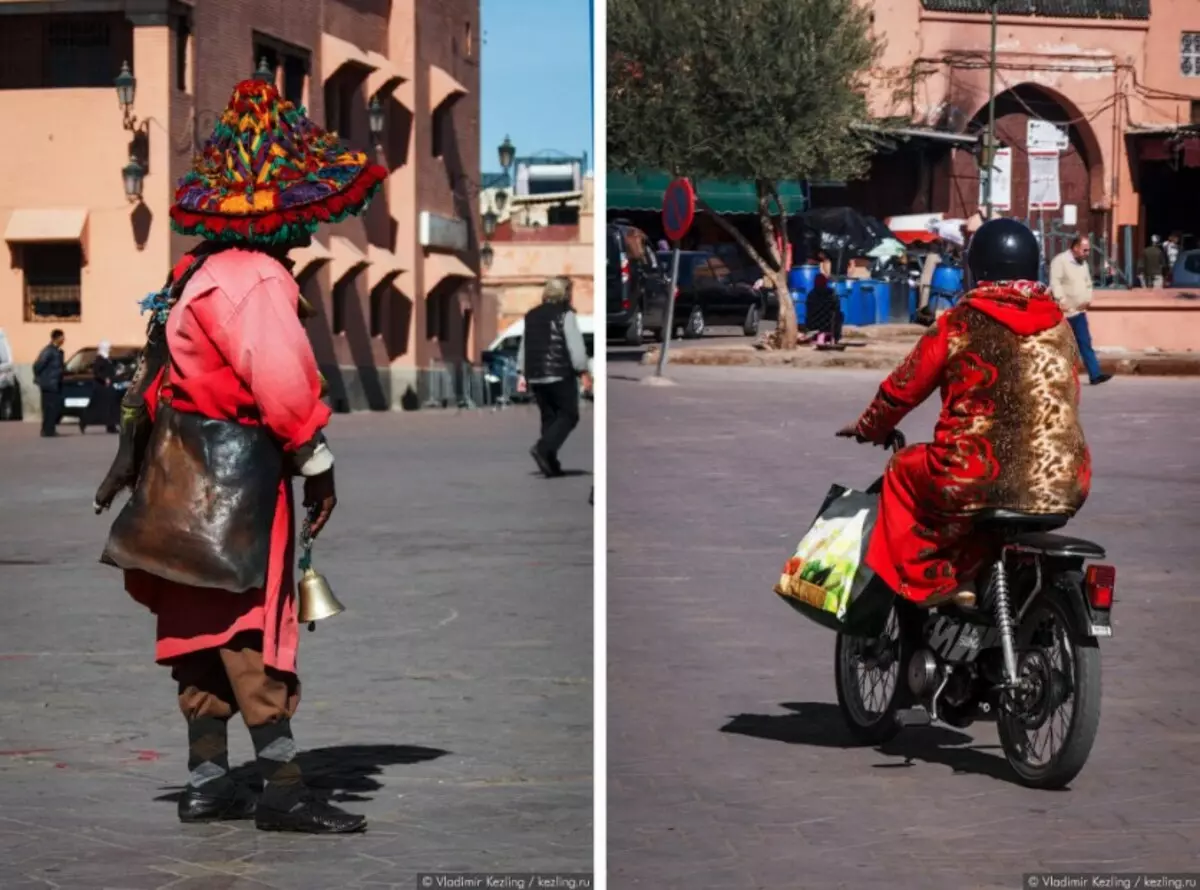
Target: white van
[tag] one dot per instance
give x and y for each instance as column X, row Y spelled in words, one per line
column 509, row 344
column 509, row 341
column 10, row 392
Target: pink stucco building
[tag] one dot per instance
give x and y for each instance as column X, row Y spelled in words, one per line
column 398, row 290
column 1110, row 81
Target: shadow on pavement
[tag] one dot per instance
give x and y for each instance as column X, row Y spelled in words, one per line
column 820, row 725
column 340, row 773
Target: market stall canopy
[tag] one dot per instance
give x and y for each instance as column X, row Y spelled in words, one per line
column 644, row 191
column 915, row 228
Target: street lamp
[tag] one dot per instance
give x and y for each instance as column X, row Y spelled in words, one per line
column 126, row 85
column 507, row 152
column 134, row 176
column 489, row 224
column 375, row 119
column 264, row 72
column 486, row 255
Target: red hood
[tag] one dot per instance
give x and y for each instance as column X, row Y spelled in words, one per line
column 1024, row 307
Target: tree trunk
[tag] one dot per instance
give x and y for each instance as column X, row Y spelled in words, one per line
column 772, row 272
column 777, row 240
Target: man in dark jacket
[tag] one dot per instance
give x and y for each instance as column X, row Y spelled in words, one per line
column 552, row 355
column 48, row 374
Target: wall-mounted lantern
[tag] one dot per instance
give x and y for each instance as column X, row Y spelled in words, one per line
column 134, row 177
column 486, row 255
column 376, row 120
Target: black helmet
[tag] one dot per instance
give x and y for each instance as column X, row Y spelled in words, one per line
column 1004, row 250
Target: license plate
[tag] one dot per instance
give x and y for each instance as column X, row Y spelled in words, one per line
column 76, row 403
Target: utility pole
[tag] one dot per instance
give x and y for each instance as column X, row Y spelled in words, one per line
column 990, row 148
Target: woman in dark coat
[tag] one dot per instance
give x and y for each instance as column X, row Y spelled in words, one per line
column 104, row 407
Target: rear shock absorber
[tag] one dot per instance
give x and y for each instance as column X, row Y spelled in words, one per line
column 1004, row 621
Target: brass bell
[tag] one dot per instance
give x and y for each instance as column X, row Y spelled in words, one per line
column 316, row 599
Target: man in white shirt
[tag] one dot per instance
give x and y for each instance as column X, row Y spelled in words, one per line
column 1071, row 284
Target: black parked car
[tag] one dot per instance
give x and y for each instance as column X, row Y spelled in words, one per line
column 709, row 294
column 635, row 289
column 78, row 379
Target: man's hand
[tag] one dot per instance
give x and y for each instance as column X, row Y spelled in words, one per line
column 319, row 492
column 522, row 384
column 850, row 431
column 586, row 379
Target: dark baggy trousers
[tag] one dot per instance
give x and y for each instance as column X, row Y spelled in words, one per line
column 558, row 403
column 221, row 682
column 51, row 410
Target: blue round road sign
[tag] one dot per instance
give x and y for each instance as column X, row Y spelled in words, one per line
column 679, row 209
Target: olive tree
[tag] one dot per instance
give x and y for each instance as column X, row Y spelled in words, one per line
column 759, row 90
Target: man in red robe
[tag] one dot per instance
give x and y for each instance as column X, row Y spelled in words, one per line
column 225, row 409
column 1008, row 436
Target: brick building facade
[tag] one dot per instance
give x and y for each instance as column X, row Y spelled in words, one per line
column 397, row 290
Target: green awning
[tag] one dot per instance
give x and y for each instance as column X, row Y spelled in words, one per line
column 645, row 192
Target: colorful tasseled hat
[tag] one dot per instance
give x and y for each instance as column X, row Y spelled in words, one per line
column 269, row 175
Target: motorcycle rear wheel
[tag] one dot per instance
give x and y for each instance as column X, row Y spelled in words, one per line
column 1051, row 617
column 873, row 722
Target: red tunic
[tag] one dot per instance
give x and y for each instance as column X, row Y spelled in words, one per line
column 239, row 348
column 1008, row 436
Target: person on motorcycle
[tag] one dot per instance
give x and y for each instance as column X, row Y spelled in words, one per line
column 1008, row 436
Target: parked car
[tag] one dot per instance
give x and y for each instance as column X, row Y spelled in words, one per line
column 10, row 390
column 635, row 289
column 1187, row 269
column 78, row 380
column 707, row 294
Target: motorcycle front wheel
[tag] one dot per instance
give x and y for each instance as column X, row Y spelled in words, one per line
column 1047, row 731
column 872, row 684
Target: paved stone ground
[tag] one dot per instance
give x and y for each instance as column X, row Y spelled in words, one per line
column 451, row 703
column 728, row 763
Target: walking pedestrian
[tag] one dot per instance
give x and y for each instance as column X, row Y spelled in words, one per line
column 48, row 374
column 229, row 384
column 1071, row 284
column 1154, row 263
column 103, row 407
column 552, row 358
column 1172, row 250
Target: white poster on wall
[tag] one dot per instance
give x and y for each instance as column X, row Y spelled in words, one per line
column 1001, row 174
column 1044, row 191
column 1046, row 136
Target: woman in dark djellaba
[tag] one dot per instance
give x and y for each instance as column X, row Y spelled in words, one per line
column 104, row 408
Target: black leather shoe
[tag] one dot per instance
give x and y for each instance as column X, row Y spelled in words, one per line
column 195, row 806
column 309, row 816
column 541, row 461
column 556, row 469
column 1103, row 378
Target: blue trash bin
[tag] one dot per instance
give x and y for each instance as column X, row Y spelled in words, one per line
column 845, row 291
column 872, row 299
column 946, row 287
column 800, row 301
column 801, row 278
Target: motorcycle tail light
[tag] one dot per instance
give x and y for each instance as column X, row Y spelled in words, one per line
column 625, row 305
column 1101, row 582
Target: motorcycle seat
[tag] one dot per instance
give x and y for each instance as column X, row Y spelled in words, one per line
column 1014, row 522
column 1057, row 545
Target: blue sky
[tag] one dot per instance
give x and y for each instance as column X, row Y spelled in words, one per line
column 536, row 77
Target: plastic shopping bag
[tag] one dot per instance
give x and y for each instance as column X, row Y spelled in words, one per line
column 827, row 579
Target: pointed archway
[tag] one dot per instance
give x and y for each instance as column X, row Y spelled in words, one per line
column 1081, row 163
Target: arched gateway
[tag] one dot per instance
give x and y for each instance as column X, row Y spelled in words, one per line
column 1080, row 163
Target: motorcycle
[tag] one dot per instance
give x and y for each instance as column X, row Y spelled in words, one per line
column 1027, row 651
